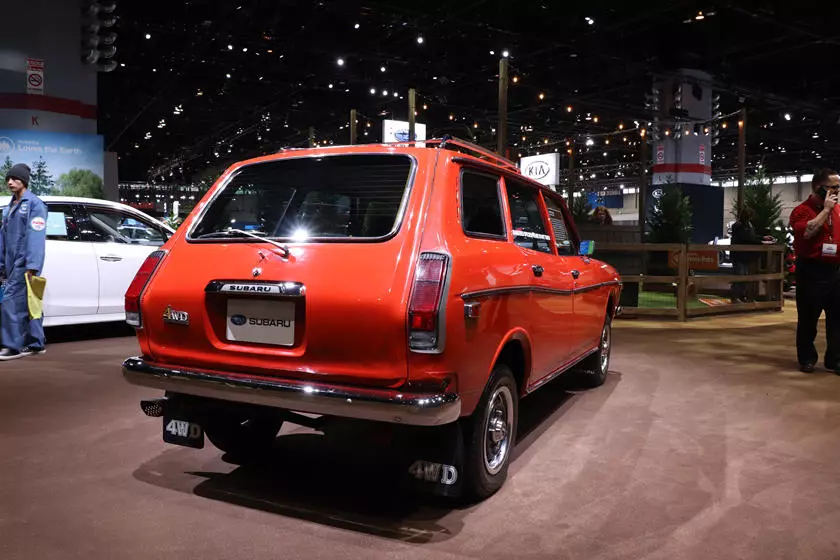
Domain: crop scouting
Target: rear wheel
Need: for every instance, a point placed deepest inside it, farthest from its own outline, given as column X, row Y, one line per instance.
column 242, row 435
column 594, row 369
column 491, row 434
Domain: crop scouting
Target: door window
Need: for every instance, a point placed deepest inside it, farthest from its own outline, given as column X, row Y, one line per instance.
column 481, row 208
column 562, row 239
column 106, row 225
column 62, row 224
column 529, row 229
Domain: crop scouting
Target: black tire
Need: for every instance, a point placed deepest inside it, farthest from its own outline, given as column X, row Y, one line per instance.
column 486, row 459
column 241, row 435
column 594, row 369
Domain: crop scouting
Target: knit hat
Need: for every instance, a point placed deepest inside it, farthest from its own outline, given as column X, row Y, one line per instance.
column 20, row 172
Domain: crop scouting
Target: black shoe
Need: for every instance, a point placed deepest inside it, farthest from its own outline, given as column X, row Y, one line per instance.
column 7, row 354
column 806, row 368
column 33, row 350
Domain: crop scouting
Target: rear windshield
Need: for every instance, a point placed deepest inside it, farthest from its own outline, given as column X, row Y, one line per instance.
column 339, row 197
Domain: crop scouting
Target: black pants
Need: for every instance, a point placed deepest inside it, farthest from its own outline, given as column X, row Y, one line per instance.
column 817, row 290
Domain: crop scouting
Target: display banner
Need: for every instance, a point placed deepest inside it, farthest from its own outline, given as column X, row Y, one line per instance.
column 397, row 131
column 65, row 164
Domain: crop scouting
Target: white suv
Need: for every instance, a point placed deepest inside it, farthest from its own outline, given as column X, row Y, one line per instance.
column 94, row 249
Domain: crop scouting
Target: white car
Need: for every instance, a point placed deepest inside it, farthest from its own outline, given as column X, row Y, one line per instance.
column 94, row 249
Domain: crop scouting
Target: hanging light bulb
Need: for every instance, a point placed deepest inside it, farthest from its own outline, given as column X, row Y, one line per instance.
column 542, row 96
column 569, row 109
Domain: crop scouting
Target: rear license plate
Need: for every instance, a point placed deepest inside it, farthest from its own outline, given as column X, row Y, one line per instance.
column 260, row 321
column 182, row 432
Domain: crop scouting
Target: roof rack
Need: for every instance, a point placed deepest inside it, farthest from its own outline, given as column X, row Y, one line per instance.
column 463, row 146
column 476, row 151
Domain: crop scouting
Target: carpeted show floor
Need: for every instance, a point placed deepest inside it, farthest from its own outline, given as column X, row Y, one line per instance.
column 705, row 443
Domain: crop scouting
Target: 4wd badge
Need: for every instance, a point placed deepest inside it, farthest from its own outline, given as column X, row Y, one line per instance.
column 176, row 317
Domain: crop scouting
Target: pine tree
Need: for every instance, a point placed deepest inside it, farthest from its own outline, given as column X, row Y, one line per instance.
column 767, row 207
column 580, row 208
column 670, row 218
column 40, row 181
column 7, row 165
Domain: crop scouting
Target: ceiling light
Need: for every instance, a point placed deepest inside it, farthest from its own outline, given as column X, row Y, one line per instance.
column 516, row 79
column 505, row 53
column 148, row 35
column 569, row 109
column 542, row 96
column 384, row 92
column 787, row 116
column 590, row 21
column 373, row 91
column 227, row 75
column 420, row 40
column 396, row 94
column 699, row 16
column 340, row 62
column 356, row 26
column 590, row 142
column 244, row 49
column 330, row 86
column 230, row 47
column 492, row 52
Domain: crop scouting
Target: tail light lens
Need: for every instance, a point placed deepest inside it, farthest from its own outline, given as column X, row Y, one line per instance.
column 135, row 290
column 424, row 308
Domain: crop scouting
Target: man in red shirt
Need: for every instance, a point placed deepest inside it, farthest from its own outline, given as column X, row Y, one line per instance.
column 816, row 234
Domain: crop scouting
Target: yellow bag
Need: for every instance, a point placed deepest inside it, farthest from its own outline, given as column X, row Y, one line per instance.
column 35, row 287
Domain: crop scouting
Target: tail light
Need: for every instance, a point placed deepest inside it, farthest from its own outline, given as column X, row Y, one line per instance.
column 424, row 308
column 135, row 290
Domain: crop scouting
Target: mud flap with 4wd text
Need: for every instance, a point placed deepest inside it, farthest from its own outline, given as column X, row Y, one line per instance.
column 434, row 459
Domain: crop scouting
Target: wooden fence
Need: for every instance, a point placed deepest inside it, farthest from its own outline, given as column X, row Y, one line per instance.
column 694, row 276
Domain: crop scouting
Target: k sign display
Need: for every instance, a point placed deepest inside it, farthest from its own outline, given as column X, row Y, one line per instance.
column 544, row 169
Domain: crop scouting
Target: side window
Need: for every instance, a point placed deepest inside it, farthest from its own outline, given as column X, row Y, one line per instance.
column 558, row 223
column 529, row 228
column 106, row 225
column 481, row 208
column 62, row 224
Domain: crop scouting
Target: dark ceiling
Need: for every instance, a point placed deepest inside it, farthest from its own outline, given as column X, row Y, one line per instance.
column 774, row 58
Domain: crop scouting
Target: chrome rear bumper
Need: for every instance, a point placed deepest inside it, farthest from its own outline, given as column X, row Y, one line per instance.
column 382, row 405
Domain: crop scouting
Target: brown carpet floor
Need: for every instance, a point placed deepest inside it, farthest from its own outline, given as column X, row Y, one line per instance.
column 704, row 443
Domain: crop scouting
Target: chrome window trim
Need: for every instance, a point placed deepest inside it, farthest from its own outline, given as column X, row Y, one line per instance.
column 398, row 222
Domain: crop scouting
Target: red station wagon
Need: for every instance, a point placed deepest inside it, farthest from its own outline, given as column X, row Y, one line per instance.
column 424, row 286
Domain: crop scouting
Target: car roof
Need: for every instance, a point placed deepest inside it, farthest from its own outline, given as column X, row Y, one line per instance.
column 463, row 149
column 4, row 201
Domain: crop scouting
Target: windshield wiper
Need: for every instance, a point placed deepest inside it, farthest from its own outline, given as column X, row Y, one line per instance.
column 239, row 233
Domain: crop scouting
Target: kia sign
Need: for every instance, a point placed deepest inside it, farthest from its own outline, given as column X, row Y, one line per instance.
column 544, row 169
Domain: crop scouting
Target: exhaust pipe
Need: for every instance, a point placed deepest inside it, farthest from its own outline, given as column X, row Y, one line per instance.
column 154, row 407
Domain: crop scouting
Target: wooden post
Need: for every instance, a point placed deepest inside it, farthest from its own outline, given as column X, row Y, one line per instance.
column 742, row 157
column 571, row 198
column 412, row 119
column 643, row 186
column 682, row 284
column 354, row 126
column 501, row 129
column 311, row 136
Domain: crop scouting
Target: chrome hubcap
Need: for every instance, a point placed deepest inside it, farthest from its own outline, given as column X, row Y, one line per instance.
column 605, row 349
column 497, row 430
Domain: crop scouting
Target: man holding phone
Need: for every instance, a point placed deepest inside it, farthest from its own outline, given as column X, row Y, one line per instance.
column 816, row 234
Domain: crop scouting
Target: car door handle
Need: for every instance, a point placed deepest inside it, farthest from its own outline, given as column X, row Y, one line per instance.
column 538, row 270
column 110, row 258
column 575, row 274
